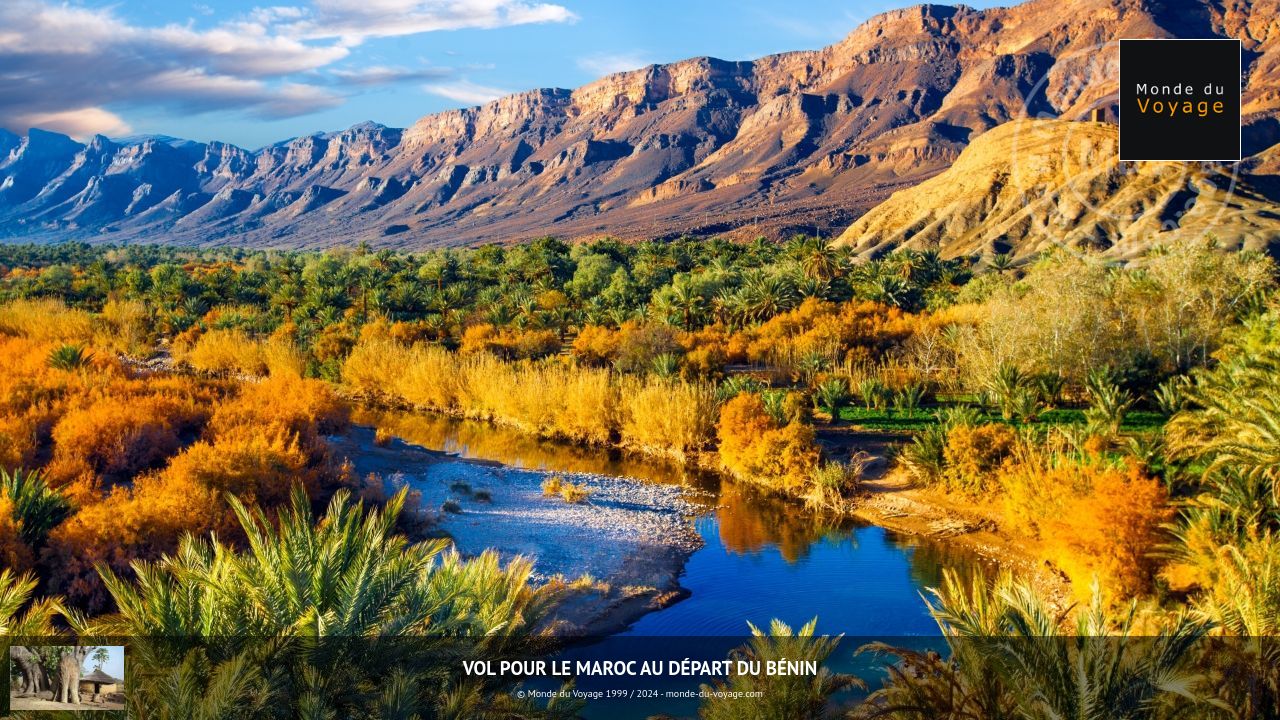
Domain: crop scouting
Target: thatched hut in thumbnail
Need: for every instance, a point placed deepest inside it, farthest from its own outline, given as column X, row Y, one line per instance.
column 98, row 683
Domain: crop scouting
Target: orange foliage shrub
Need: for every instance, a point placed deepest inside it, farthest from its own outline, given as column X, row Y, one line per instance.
column 706, row 351
column 974, row 452
column 255, row 466
column 595, row 346
column 333, row 342
column 223, row 351
column 258, row 444
column 305, row 409
column 14, row 553
column 481, row 337
column 666, row 418
column 1038, row 492
column 1111, row 532
column 753, row 447
column 640, row 343
column 853, row 331
column 129, row 524
column 20, row 436
column 509, row 343
column 114, row 438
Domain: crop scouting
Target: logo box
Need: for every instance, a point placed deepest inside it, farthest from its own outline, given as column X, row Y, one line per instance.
column 1180, row 100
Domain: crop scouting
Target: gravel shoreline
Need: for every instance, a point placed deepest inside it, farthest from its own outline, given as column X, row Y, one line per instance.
column 630, row 536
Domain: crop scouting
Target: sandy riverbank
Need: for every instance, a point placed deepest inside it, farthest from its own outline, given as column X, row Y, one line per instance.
column 630, row 537
column 887, row 498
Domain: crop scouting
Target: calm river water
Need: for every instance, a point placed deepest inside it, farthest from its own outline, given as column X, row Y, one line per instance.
column 763, row 558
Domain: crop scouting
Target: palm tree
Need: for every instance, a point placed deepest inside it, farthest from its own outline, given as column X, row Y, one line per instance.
column 830, row 395
column 69, row 357
column 766, row 295
column 36, row 506
column 1011, row 658
column 1008, row 389
column 819, row 259
column 1243, row 602
column 325, row 610
column 20, row 616
column 1236, row 420
column 1001, row 263
column 1108, row 402
column 794, row 697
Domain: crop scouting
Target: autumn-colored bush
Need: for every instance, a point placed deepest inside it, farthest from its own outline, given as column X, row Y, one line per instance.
column 115, row 438
column 284, row 407
column 20, row 436
column 974, row 452
column 1038, row 492
column 256, row 444
column 481, row 337
column 707, row 351
column 255, row 466
column 640, row 343
column 546, row 398
column 509, row 343
column 223, row 351
column 45, row 320
column 125, row 326
column 596, row 346
column 231, row 350
column 755, row 447
column 14, row 553
column 129, row 524
column 855, row 331
column 1111, row 532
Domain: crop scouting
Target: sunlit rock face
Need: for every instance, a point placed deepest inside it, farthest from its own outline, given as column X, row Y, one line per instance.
column 803, row 141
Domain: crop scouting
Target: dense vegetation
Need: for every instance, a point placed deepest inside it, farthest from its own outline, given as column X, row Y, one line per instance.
column 1118, row 422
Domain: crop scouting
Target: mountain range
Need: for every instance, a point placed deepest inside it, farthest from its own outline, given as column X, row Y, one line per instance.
column 805, row 141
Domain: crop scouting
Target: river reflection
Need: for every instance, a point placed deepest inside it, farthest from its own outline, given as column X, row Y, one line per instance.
column 763, row 558
column 746, row 521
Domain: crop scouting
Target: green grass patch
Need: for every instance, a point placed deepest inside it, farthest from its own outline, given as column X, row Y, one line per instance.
column 891, row 420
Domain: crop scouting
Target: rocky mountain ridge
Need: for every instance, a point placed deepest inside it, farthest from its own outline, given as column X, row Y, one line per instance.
column 801, row 141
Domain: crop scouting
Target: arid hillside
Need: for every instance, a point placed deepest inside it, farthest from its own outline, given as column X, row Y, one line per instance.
column 802, row 141
column 1032, row 184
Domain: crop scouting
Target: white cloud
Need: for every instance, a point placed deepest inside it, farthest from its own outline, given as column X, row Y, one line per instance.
column 355, row 20
column 384, row 75
column 609, row 63
column 79, row 123
column 465, row 91
column 78, row 66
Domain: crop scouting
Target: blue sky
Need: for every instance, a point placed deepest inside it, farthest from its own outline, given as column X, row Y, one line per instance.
column 252, row 73
column 114, row 666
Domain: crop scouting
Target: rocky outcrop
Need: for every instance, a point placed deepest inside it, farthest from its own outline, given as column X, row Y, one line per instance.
column 1029, row 186
column 801, row 141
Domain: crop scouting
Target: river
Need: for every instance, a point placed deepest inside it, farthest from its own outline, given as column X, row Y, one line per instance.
column 761, row 558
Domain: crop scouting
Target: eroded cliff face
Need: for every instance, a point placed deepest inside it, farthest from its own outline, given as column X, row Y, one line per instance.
column 1032, row 185
column 797, row 141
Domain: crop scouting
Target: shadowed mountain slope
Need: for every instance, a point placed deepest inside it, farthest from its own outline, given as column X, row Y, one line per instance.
column 800, row 141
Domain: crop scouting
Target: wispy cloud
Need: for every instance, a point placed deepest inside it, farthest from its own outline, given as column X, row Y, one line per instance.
column 387, row 75
column 80, row 122
column 81, row 67
column 353, row 21
column 465, row 91
column 609, row 63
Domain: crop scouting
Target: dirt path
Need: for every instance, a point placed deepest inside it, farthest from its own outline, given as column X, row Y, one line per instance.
column 30, row 702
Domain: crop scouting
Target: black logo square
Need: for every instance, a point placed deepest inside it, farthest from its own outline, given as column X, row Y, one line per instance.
column 1180, row 100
